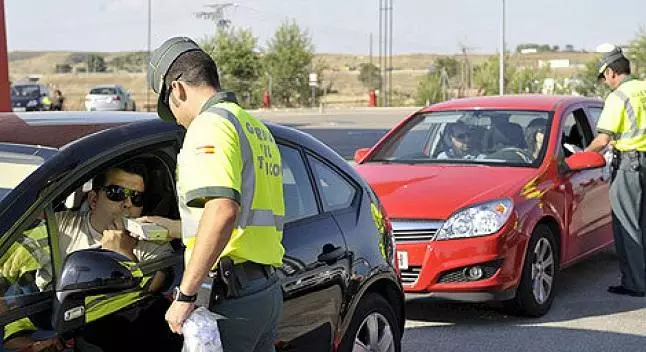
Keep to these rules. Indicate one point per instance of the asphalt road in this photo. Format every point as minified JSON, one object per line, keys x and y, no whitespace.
{"x":584,"y":317}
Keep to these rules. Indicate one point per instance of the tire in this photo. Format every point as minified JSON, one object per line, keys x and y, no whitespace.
{"x":536,"y":290}
{"x":372,"y":309}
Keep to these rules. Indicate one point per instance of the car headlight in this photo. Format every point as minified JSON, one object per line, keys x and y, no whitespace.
{"x":32,"y":103}
{"x":478,"y":220}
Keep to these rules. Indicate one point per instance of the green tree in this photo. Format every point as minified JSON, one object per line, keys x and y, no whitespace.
{"x":289,"y":62}
{"x":486,"y":75}
{"x":528,"y":80}
{"x":96,"y":63}
{"x":637,"y":53}
{"x":429,"y":90}
{"x":448,"y":63}
{"x":369,"y":75}
{"x":238,"y":60}
{"x":587,"y":83}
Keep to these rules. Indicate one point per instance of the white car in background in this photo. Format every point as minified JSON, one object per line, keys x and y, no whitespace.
{"x":110,"y":97}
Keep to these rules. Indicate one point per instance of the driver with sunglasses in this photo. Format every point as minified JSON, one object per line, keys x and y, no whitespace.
{"x":116,"y":193}
{"x":461,"y":143}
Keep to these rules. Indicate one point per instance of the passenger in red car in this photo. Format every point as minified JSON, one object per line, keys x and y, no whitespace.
{"x":462,"y":144}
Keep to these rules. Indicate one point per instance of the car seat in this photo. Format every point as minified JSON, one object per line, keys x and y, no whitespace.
{"x":505,"y":134}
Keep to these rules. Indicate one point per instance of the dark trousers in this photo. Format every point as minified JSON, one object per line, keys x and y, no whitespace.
{"x":627,"y":196}
{"x":248,"y":323}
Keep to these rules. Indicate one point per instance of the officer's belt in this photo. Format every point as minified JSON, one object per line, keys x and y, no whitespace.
{"x":631,"y":154}
{"x":252,"y":270}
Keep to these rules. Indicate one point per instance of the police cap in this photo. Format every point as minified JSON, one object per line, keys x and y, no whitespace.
{"x":160,"y":62}
{"x":608,"y":58}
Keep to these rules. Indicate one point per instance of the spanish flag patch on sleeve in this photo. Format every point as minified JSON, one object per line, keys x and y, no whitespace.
{"x":205,"y":149}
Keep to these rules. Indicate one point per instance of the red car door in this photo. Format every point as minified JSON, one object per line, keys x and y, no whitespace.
{"x":588,"y":212}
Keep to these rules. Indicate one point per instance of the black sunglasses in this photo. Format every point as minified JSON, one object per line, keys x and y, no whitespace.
{"x":117,"y":193}
{"x":463,"y":136}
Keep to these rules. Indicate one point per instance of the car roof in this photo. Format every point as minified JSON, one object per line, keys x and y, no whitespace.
{"x":511,"y":102}
{"x":106,"y":86}
{"x":58,"y":128}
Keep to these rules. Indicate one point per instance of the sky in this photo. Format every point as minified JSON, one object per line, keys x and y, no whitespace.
{"x":335,"y":26}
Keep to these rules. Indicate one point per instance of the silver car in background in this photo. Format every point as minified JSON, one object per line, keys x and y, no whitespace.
{"x":109,"y":98}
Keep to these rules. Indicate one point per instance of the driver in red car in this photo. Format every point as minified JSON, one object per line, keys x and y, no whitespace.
{"x":462,"y":143}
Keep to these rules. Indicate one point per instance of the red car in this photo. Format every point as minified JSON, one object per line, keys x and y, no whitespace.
{"x":490,"y":197}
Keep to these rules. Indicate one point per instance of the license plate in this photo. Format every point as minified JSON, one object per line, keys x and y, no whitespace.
{"x":19,"y":109}
{"x":402,"y":260}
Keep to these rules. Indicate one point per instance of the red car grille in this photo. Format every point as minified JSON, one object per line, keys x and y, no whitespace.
{"x":410,"y":275}
{"x":415,"y":230}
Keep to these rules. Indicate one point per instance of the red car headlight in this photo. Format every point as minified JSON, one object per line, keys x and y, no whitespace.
{"x":478,"y":220}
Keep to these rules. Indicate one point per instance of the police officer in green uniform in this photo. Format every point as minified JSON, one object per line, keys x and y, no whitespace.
{"x":229,"y":185}
{"x":623,"y":124}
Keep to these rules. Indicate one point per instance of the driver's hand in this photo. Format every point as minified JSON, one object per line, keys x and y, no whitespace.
{"x":119,"y":240}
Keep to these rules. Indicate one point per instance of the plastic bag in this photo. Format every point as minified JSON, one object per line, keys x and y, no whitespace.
{"x":201,"y":333}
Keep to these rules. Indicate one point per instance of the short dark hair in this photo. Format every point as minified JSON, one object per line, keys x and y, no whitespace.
{"x":195,"y":68}
{"x":620,"y":66}
{"x":134,"y":168}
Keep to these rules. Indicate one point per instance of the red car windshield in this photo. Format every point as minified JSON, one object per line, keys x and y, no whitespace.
{"x":514,"y":138}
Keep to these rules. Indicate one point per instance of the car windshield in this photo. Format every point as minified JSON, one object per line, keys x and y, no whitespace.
{"x":31,"y":91}
{"x":15,"y":168}
{"x":103,"y":91}
{"x":502,"y":137}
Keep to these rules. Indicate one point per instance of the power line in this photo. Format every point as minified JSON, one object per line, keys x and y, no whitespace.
{"x":216,"y":14}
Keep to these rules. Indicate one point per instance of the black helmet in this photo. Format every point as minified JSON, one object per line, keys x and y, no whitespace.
{"x":160,"y":61}
{"x":608,"y":58}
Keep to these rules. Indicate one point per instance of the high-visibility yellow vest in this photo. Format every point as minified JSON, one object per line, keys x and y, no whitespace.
{"x":228,"y":153}
{"x":624,"y":116}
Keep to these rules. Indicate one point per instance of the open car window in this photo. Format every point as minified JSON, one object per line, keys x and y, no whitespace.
{"x":497,"y":137}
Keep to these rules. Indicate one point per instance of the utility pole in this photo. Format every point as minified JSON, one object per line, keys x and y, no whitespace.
{"x":216,"y":14}
{"x":149,"y":50}
{"x":390,"y":56}
{"x":502,"y":50}
{"x":370,"y":48}
{"x":386,"y":50}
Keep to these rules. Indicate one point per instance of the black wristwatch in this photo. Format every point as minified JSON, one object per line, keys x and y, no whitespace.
{"x":180,"y":297}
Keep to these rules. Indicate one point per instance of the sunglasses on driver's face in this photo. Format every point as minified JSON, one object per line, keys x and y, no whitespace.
{"x":117,"y":193}
{"x":463,"y":136}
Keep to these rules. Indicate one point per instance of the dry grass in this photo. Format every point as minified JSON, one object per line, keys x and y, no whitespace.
{"x":341,"y":70}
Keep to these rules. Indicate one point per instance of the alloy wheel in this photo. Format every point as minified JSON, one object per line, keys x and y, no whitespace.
{"x":543,"y":270}
{"x":374,"y":335}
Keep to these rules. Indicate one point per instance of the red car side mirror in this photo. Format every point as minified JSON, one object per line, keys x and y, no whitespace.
{"x":585,"y":160}
{"x":359,"y":154}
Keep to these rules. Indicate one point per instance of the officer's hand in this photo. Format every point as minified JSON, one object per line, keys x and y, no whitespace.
{"x":174,"y":227}
{"x":177,"y":315}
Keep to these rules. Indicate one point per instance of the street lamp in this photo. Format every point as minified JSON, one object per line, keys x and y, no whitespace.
{"x":502,"y":51}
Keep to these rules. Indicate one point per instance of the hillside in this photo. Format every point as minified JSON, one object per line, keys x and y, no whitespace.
{"x":341,"y":70}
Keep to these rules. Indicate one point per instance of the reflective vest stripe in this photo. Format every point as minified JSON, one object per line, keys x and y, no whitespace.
{"x":265,"y":217}
{"x":248,"y":173}
{"x":249,"y":216}
{"x":632,"y":117}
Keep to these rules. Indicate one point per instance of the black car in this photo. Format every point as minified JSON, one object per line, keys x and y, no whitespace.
{"x":340,"y":282}
{"x":30,"y":97}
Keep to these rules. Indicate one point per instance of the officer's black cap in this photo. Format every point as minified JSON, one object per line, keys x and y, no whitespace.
{"x":160,"y":62}
{"x":608,"y":58}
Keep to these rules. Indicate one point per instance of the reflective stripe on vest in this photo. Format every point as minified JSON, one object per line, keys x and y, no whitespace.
{"x":632,"y":117}
{"x":249,"y":216}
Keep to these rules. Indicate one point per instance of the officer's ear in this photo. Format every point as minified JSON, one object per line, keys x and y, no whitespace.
{"x":178,"y":92}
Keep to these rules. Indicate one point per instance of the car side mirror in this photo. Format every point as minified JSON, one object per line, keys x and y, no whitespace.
{"x":585,"y":161}
{"x":88,"y":273}
{"x":361,"y":153}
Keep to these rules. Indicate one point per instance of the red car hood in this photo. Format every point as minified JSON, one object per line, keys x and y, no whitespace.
{"x":437,"y":191}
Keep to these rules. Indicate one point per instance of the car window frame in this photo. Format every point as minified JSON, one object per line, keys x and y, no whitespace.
{"x":310,"y":177}
{"x":358,"y":188}
{"x":39,"y":301}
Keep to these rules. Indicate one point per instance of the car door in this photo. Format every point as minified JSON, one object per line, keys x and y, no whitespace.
{"x":588,"y":205}
{"x":314,"y":264}
{"x":26,"y":282}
